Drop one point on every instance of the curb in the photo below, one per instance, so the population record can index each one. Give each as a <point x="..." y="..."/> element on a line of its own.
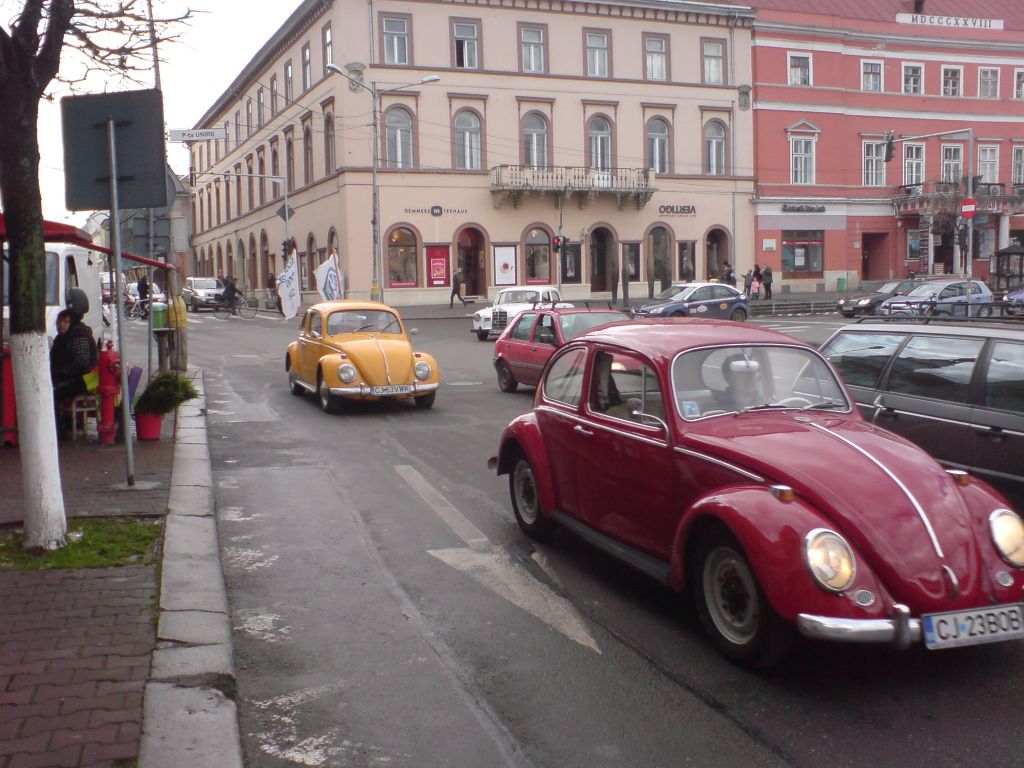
<point x="189" y="713"/>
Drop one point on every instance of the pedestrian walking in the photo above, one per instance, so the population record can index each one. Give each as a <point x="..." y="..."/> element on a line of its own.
<point x="748" y="281"/>
<point x="729" y="274"/>
<point x="272" y="289"/>
<point x="143" y="288"/>
<point x="766" y="279"/>
<point x="755" y="284"/>
<point x="456" y="289"/>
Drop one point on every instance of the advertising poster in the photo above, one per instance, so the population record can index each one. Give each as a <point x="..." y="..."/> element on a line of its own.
<point x="437" y="267"/>
<point x="504" y="265"/>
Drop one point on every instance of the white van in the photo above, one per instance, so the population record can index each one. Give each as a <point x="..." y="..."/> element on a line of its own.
<point x="67" y="266"/>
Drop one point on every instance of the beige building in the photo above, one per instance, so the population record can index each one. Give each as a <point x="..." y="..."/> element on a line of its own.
<point x="502" y="125"/>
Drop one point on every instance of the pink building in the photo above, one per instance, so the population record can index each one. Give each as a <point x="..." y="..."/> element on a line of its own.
<point x="831" y="79"/>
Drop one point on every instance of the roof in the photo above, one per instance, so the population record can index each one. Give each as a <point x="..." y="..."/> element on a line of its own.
<point x="1000" y="328"/>
<point x="1010" y="11"/>
<point x="329" y="306"/>
<point x="664" y="338"/>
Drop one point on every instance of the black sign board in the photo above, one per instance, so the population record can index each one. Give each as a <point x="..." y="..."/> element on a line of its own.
<point x="139" y="141"/>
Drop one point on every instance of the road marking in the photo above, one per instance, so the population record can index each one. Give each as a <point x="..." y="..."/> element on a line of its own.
<point x="493" y="568"/>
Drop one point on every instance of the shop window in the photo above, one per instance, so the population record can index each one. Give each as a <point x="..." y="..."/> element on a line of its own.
<point x="660" y="260"/>
<point x="803" y="252"/>
<point x="914" y="244"/>
<point x="631" y="260"/>
<point x="686" y="266"/>
<point x="572" y="264"/>
<point x="538" y="256"/>
<point x="402" y="258"/>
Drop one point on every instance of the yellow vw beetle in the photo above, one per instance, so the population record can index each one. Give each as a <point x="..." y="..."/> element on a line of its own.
<point x="358" y="350"/>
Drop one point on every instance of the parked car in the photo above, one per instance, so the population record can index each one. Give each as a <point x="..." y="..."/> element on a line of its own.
<point x="951" y="296"/>
<point x="866" y="301"/>
<point x="954" y="388"/>
<point x="526" y="344"/>
<point x="696" y="300"/>
<point x="359" y="350"/>
<point x="202" y="292"/>
<point x="1014" y="301"/>
<point x="729" y="459"/>
<point x="490" y="321"/>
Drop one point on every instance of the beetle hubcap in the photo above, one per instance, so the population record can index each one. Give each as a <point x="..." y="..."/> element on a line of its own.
<point x="526" y="492"/>
<point x="731" y="594"/>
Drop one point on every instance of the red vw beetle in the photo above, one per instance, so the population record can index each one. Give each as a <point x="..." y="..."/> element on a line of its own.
<point x="729" y="460"/>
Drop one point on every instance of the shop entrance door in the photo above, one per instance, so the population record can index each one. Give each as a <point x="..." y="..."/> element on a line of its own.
<point x="602" y="262"/>
<point x="471" y="260"/>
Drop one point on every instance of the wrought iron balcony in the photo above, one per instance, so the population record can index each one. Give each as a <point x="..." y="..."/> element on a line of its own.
<point x="936" y="198"/>
<point x="518" y="182"/>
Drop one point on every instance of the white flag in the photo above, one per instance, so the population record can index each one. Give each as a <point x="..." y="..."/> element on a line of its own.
<point x="328" y="280"/>
<point x="288" y="287"/>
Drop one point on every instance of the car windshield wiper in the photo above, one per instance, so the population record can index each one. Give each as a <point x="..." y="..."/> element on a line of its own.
<point x="828" y="405"/>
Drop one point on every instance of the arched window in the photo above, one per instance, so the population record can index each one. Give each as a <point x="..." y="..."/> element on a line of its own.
<point x="535" y="141"/>
<point x="714" y="149"/>
<point x="660" y="264"/>
<point x="307" y="155"/>
<point x="289" y="163"/>
<point x="250" y="183"/>
<point x="311" y="264"/>
<point x="402" y="252"/>
<point x="398" y="125"/>
<point x="599" y="143"/>
<point x="275" y="170"/>
<point x="538" y="256"/>
<point x="209" y="208"/>
<point x="261" y="169"/>
<point x="328" y="142"/>
<point x="216" y="203"/>
<point x="227" y="199"/>
<point x="228" y="256"/>
<point x="220" y="260"/>
<point x="468" y="154"/>
<point x="657" y="145"/>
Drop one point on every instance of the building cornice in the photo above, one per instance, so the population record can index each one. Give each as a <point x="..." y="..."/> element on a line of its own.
<point x="887" y="38"/>
<point x="676" y="11"/>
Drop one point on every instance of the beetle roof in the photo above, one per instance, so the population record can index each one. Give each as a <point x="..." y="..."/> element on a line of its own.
<point x="331" y="306"/>
<point x="665" y="337"/>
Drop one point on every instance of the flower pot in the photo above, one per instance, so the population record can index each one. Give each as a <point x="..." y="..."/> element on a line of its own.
<point x="148" y="425"/>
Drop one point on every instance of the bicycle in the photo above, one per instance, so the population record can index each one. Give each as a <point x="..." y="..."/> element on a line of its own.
<point x="137" y="310"/>
<point x="240" y="305"/>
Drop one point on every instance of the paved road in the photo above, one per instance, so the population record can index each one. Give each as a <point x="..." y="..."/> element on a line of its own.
<point x="388" y="611"/>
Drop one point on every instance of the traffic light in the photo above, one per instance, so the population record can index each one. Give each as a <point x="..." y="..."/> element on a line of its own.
<point x="557" y="244"/>
<point x="890" y="147"/>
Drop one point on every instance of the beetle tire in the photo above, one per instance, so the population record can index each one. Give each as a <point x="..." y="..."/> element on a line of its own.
<point x="522" y="486"/>
<point x="426" y="401"/>
<point x="506" y="381"/>
<point x="731" y="605"/>
<point x="482" y="335"/>
<point x="328" y="402"/>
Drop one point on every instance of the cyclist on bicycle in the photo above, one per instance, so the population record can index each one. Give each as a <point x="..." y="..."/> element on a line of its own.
<point x="143" y="288"/>
<point x="230" y="294"/>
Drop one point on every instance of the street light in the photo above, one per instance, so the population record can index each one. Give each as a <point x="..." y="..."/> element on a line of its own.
<point x="376" y="289"/>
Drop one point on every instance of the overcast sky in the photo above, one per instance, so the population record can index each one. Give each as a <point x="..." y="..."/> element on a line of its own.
<point x="223" y="36"/>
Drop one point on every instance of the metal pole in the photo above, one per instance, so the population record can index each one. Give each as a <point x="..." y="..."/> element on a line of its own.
<point x="376" y="289"/>
<point x="561" y="249"/>
<point x="115" y="231"/>
<point x="970" y="193"/>
<point x="149" y="314"/>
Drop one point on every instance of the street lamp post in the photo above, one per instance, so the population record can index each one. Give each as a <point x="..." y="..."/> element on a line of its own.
<point x="376" y="286"/>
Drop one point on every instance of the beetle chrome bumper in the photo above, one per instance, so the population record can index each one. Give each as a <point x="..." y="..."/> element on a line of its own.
<point x="900" y="630"/>
<point x="363" y="390"/>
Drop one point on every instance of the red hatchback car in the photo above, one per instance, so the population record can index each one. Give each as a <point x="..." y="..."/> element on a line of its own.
<point x="729" y="459"/>
<point x="528" y="342"/>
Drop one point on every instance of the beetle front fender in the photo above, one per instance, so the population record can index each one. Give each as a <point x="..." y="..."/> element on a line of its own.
<point x="522" y="438"/>
<point x="291" y="358"/>
<point x="771" y="533"/>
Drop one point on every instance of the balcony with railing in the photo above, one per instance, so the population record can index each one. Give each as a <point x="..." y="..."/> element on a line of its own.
<point x="933" y="198"/>
<point x="520" y="182"/>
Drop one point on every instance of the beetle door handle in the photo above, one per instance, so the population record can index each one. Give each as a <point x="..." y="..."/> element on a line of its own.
<point x="581" y="430"/>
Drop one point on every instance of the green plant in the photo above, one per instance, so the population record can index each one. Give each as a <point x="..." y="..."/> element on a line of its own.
<point x="164" y="393"/>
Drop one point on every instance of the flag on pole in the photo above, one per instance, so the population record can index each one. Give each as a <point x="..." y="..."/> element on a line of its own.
<point x="328" y="280"/>
<point x="288" y="287"/>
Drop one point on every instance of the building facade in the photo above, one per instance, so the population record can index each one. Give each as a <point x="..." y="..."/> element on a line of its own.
<point x="832" y="79"/>
<point x="501" y="125"/>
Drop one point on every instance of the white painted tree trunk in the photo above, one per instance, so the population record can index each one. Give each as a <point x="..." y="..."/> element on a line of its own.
<point x="45" y="523"/>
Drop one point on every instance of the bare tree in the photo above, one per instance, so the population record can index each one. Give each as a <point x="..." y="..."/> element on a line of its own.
<point x="105" y="36"/>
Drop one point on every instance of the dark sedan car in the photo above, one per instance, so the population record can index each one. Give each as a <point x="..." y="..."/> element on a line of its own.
<point x="872" y="294"/>
<point x="704" y="300"/>
<point x="526" y="344"/>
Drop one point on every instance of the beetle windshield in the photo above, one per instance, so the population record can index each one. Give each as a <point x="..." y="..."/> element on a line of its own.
<point x="575" y="323"/>
<point x="709" y="382"/>
<point x="362" y="321"/>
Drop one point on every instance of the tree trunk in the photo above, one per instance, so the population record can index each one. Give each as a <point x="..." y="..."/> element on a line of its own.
<point x="45" y="522"/>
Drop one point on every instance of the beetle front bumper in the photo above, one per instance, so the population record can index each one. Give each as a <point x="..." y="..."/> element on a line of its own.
<point x="900" y="630"/>
<point x="364" y="390"/>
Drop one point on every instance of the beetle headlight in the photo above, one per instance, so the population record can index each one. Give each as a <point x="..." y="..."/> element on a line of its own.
<point x="830" y="559"/>
<point x="422" y="370"/>
<point x="347" y="372"/>
<point x="1008" y="536"/>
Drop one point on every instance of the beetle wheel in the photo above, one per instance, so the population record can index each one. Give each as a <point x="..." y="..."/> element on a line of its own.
<point x="506" y="381"/>
<point x="732" y="607"/>
<point x="330" y="403"/>
<point x="526" y="501"/>
<point x="426" y="401"/>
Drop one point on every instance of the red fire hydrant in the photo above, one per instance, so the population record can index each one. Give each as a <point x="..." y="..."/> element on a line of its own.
<point x="109" y="388"/>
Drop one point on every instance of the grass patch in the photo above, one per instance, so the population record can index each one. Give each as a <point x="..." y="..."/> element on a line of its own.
<point x="91" y="543"/>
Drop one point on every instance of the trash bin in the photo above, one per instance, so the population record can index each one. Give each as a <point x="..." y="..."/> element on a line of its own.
<point x="841" y="284"/>
<point x="159" y="315"/>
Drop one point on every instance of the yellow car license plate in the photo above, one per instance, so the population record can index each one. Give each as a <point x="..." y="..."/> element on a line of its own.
<point x="391" y="389"/>
<point x="982" y="625"/>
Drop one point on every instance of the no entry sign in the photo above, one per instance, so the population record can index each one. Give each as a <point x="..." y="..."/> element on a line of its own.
<point x="968" y="208"/>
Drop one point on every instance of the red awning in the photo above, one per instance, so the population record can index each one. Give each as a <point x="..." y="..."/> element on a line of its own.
<point x="55" y="232"/>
